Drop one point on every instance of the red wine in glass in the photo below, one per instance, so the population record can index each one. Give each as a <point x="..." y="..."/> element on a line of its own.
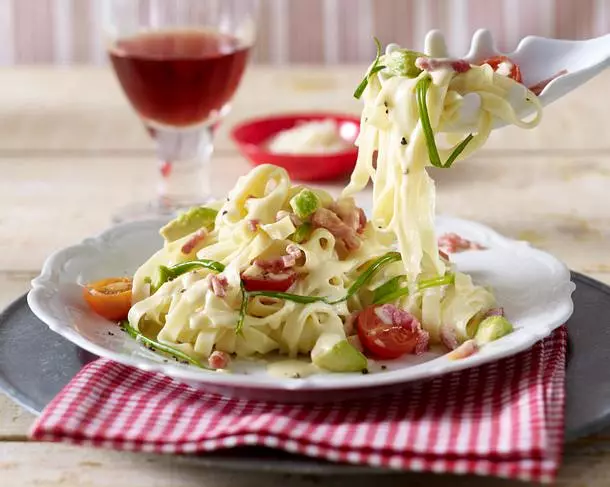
<point x="179" y="63"/>
<point x="181" y="77"/>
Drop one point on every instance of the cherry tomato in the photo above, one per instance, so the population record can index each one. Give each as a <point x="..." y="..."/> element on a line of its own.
<point x="110" y="298"/>
<point x="494" y="62"/>
<point x="386" y="341"/>
<point x="269" y="282"/>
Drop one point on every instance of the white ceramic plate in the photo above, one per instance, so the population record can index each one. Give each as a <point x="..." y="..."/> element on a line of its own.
<point x="533" y="287"/>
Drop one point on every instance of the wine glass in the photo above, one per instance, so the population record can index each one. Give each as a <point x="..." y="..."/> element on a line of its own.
<point x="179" y="63"/>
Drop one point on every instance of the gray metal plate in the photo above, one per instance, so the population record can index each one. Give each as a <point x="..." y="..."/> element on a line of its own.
<point x="35" y="364"/>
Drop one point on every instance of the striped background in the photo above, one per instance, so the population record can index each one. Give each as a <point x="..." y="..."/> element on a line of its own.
<point x="308" y="31"/>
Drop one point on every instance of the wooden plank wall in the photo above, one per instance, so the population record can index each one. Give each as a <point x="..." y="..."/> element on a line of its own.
<point x="307" y="31"/>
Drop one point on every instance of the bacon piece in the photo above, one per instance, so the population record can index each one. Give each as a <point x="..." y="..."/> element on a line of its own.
<point x="296" y="221"/>
<point x="494" y="312"/>
<point x="434" y="64"/>
<point x="405" y="319"/>
<point x="452" y="243"/>
<point x="350" y="322"/>
<point x="460" y="65"/>
<point x="219" y="285"/>
<point x="219" y="360"/>
<point x="353" y="216"/>
<point x="272" y="266"/>
<point x="391" y="315"/>
<point x="345" y="209"/>
<point x="466" y="349"/>
<point x="195" y="240"/>
<point x="294" y="253"/>
<point x="423" y="342"/>
<point x="361" y="220"/>
<point x="282" y="263"/>
<point x="289" y="260"/>
<point x="294" y="250"/>
<point x="253" y="224"/>
<point x="448" y="337"/>
<point x="325" y="218"/>
<point x="541" y="85"/>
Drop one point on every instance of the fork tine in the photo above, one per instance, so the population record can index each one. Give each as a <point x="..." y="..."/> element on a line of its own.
<point x="482" y="46"/>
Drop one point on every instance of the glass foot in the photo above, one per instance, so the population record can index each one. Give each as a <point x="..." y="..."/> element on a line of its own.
<point x="155" y="210"/>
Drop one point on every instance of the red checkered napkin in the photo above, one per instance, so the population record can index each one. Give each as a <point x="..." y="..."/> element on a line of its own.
<point x="503" y="419"/>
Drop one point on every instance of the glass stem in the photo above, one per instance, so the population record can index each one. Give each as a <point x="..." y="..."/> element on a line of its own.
<point x="184" y="160"/>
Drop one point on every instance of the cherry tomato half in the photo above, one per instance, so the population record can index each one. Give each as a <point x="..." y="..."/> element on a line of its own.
<point x="386" y="341"/>
<point x="494" y="62"/>
<point x="110" y="298"/>
<point x="269" y="282"/>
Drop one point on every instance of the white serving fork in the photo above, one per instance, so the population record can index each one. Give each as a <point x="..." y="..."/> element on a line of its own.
<point x="539" y="59"/>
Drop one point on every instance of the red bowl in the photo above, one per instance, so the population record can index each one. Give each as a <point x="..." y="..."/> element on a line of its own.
<point x="252" y="136"/>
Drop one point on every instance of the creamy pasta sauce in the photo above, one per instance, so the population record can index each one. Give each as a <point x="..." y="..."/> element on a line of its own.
<point x="256" y="226"/>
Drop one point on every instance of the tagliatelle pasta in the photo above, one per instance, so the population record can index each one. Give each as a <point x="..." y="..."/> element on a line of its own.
<point x="189" y="308"/>
<point x="404" y="193"/>
<point x="280" y="267"/>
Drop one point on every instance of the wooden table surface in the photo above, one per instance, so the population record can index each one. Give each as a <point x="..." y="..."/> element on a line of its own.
<point x="72" y="152"/>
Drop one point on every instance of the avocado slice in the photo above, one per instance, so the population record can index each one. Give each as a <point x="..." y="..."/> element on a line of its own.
<point x="333" y="352"/>
<point x="160" y="277"/>
<point x="305" y="203"/>
<point x="492" y="328"/>
<point x="302" y="233"/>
<point x="189" y="222"/>
<point x="401" y="62"/>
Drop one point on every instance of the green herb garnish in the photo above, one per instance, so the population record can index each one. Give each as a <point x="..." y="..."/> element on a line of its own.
<point x="389" y="288"/>
<point x="387" y="292"/>
<point x="298" y="298"/>
<point x="242" y="310"/>
<point x="165" y="274"/>
<point x="396" y="287"/>
<point x="375" y="68"/>
<point x="160" y="347"/>
<point x="184" y="267"/>
<point x="367" y="274"/>
<point x="353" y="289"/>
<point x="421" y="89"/>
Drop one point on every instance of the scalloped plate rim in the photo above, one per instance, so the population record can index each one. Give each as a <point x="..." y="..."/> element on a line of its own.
<point x="523" y="338"/>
